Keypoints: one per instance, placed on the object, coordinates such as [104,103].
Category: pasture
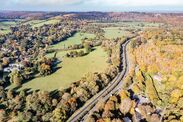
[5,26]
[70,70]
[75,39]
[73,69]
[38,23]
[114,32]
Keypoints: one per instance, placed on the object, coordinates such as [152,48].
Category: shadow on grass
[93,49]
[26,81]
[55,69]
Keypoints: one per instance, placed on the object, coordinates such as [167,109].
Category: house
[12,67]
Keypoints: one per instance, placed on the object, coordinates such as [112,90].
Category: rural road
[113,87]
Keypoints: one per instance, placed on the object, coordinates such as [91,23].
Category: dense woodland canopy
[153,90]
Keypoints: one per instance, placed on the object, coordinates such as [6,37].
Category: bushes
[73,54]
[75,46]
[88,47]
[50,51]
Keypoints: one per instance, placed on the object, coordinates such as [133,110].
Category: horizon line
[102,11]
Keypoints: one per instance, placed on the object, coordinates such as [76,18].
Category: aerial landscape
[91,61]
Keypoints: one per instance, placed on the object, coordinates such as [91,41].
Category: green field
[5,26]
[72,69]
[33,22]
[114,32]
[119,29]
[52,21]
[38,23]
[131,24]
[75,39]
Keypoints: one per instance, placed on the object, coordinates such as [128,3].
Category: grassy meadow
[38,23]
[73,69]
[120,29]
[114,32]
[70,70]
[75,39]
[5,26]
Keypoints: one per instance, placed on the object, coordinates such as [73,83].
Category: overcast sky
[92,5]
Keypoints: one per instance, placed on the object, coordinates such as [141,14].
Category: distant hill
[172,18]
[26,15]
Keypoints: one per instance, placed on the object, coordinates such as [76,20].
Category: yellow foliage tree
[123,94]
[153,68]
[151,90]
[175,95]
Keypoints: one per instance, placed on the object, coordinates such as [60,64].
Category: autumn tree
[16,77]
[45,67]
[59,115]
[88,47]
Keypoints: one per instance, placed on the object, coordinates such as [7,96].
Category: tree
[100,105]
[90,119]
[27,72]
[109,106]
[10,94]
[175,95]
[73,104]
[88,47]
[126,105]
[151,89]
[133,44]
[59,115]
[45,69]
[1,72]
[16,77]
[5,61]
[105,78]
[81,53]
[82,94]
[3,115]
